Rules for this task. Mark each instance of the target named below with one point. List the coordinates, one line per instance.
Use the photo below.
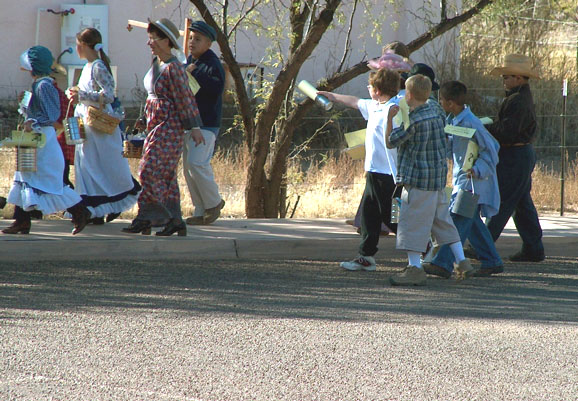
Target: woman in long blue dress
(43, 189)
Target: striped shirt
(422, 150)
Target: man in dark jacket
(208, 83)
(515, 130)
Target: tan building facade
(30, 22)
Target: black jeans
(375, 209)
(515, 182)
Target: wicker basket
(131, 151)
(100, 120)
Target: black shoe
(80, 217)
(524, 257)
(487, 271)
(97, 221)
(436, 270)
(174, 226)
(112, 216)
(138, 226)
(2, 202)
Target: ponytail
(105, 60)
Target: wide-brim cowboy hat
(169, 29)
(516, 64)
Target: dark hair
(385, 81)
(454, 91)
(91, 37)
(157, 31)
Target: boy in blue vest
(481, 178)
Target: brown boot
(80, 217)
(18, 227)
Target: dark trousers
(515, 182)
(375, 209)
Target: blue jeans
(476, 231)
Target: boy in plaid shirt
(422, 150)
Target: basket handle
(68, 108)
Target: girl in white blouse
(102, 175)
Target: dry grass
(331, 189)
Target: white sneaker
(366, 263)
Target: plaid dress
(170, 110)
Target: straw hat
(516, 64)
(169, 29)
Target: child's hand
(328, 95)
(27, 127)
(470, 173)
(393, 110)
(197, 137)
(140, 124)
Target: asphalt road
(284, 330)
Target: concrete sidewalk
(319, 239)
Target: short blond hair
(419, 86)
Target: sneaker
(436, 270)
(411, 275)
(366, 263)
(487, 271)
(464, 269)
(525, 257)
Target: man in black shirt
(515, 130)
(208, 78)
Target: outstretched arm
(349, 101)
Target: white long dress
(102, 175)
(43, 189)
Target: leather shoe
(195, 221)
(213, 213)
(138, 226)
(487, 271)
(2, 202)
(436, 270)
(18, 227)
(524, 257)
(175, 226)
(112, 216)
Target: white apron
(100, 169)
(43, 189)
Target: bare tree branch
(348, 38)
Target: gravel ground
(284, 330)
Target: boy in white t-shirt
(380, 163)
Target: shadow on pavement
(285, 289)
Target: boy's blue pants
(476, 231)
